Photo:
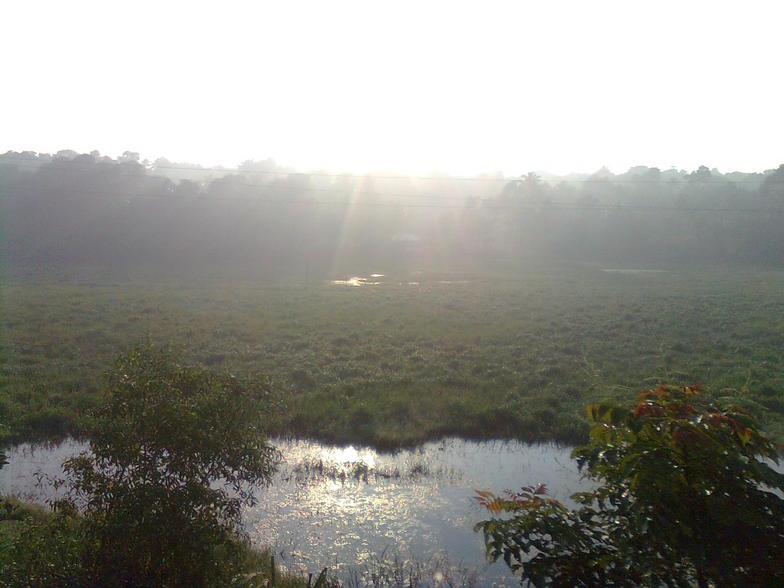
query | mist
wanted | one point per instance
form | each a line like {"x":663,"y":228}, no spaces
{"x":69,"y":211}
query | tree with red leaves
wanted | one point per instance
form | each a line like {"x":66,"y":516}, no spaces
{"x":687,"y":496}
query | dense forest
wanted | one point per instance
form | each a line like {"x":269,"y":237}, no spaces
{"x":72,"y":210}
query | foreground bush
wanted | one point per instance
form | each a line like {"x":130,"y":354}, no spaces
{"x":684,"y":498}
{"x":40,"y":549}
{"x":175,"y":453}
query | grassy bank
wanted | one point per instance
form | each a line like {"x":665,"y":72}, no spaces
{"x":397,"y":363}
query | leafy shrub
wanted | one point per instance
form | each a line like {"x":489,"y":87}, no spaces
{"x":44,"y":551}
{"x":685,"y":498}
{"x":175,"y":453}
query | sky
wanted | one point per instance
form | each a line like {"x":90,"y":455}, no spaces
{"x":400,"y":86}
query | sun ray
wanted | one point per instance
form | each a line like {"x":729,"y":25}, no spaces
{"x":349,"y":216}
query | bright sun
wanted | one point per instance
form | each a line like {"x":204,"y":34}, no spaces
{"x":404,"y":86}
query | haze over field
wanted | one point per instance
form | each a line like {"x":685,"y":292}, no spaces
{"x":70,"y":211}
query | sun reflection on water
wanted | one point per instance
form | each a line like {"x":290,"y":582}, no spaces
{"x":343,"y":506}
{"x":346,"y":507}
{"x":349,"y":455}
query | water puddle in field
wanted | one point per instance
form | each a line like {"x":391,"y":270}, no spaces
{"x":635,"y":271}
{"x":355,"y":281}
{"x":379,"y":279}
{"x":360,"y":512}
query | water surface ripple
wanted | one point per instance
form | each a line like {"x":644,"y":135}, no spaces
{"x":351,"y":508}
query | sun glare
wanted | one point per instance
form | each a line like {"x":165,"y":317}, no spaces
{"x":406,"y":87}
{"x":348,"y":455}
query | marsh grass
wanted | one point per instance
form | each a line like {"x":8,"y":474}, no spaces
{"x":316,"y":469}
{"x":389,"y":569}
{"x":396,"y":364}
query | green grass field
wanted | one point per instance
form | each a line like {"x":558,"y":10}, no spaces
{"x":393,"y":364}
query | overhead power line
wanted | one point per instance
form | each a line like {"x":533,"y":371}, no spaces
{"x":440,"y":202}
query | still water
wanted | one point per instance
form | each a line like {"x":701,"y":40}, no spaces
{"x":360,"y":512}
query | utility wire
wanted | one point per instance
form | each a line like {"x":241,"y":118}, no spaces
{"x":468,"y":203}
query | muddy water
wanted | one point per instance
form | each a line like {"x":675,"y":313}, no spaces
{"x":352,"y":508}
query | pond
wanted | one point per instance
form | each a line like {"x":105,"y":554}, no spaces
{"x":360,"y":512}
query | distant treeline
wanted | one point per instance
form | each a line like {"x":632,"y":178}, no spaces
{"x":74,"y":210}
